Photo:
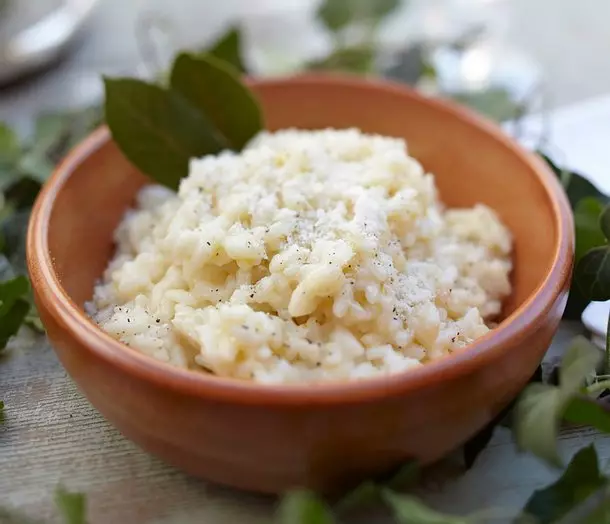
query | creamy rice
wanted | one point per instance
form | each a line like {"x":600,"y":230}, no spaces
{"x":310,"y":256}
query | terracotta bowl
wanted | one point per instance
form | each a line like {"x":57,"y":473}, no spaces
{"x":270,"y":438}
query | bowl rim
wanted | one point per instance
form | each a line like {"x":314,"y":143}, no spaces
{"x":517,"y":326}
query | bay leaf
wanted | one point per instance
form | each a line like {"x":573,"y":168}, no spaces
{"x":9,"y":146}
{"x":541,"y":407}
{"x":228,"y":48}
{"x":604,"y":222}
{"x":587,"y":215}
{"x":585,"y":411}
{"x":581,"y":479}
{"x":592,"y":274}
{"x":157,"y":129}
{"x":215,"y":90}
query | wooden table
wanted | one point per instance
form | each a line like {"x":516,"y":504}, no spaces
{"x":52,"y":435}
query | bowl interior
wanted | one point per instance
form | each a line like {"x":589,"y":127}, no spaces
{"x":471,"y":165}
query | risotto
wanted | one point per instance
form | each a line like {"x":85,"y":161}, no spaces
{"x":309,"y":256}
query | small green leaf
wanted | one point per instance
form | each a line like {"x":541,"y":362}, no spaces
{"x":303,"y":507}
{"x":157,"y":130}
{"x":587,"y":412}
{"x":22,"y":193}
{"x":72,"y":506}
{"x":578,"y":362}
{"x":575,"y":185}
{"x":14,"y":231}
{"x":13,"y":307}
{"x":9,"y":146}
{"x":538,"y":415}
{"x":409,"y":510}
{"x":12,"y":321}
{"x":215,"y":90}
{"x":357,"y":60}
{"x":11,"y":291}
{"x":604,"y":222}
{"x":541,"y":407}
{"x":576,"y":303}
{"x":587,"y":224}
{"x":580,"y":480}
{"x":592,"y":274}
{"x":335,"y":14}
{"x":228,"y":48}
{"x":338,"y":14}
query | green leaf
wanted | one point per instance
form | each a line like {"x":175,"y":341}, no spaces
{"x":11,"y":291}
{"x":72,"y":506}
{"x":156,"y":129}
{"x":22,"y":193}
{"x":604,"y":222}
{"x":11,"y":322}
{"x":357,"y":60}
{"x":335,"y":14}
{"x":576,"y":303}
{"x":587,"y":215}
{"x":228,"y":48}
{"x":215,"y":90}
{"x":9,"y":146}
{"x":13,"y":307}
{"x":409,"y":510}
{"x":587,"y":412}
{"x":538,"y":415}
{"x":592,"y":274}
{"x":541,"y":407}
{"x":338,"y":14}
{"x":303,"y":507}
{"x":14,"y":231}
{"x":578,"y":362}
{"x":580,"y":480}
{"x":575,"y":185}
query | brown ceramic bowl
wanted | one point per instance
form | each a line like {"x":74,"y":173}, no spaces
{"x":270,"y":438}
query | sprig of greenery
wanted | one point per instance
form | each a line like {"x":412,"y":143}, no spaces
{"x":541,"y":407}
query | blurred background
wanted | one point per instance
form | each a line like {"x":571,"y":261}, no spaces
{"x":504,"y":57}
